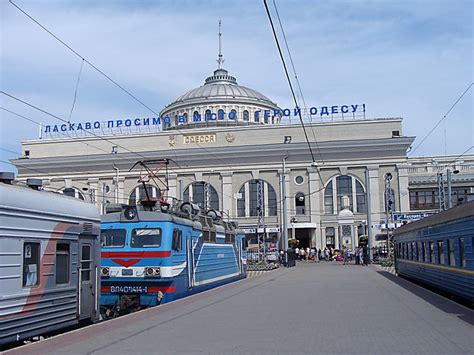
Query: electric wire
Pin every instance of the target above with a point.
(289, 82)
(107, 76)
(296, 78)
(75, 91)
(441, 120)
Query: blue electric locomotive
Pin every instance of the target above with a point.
(439, 251)
(161, 254)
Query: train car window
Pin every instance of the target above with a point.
(462, 257)
(451, 255)
(426, 257)
(146, 238)
(416, 253)
(86, 263)
(432, 256)
(112, 238)
(31, 264)
(410, 251)
(440, 252)
(177, 237)
(245, 244)
(62, 263)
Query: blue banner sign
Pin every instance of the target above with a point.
(411, 216)
(258, 116)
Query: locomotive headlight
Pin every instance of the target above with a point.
(152, 271)
(130, 213)
(105, 271)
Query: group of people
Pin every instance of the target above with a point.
(359, 254)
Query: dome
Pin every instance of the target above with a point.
(222, 86)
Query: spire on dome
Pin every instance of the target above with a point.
(220, 57)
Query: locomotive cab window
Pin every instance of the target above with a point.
(146, 238)
(112, 238)
(31, 264)
(177, 236)
(62, 263)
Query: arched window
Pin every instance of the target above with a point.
(207, 115)
(220, 114)
(185, 115)
(246, 115)
(77, 194)
(139, 193)
(256, 190)
(344, 188)
(233, 115)
(328, 199)
(360, 198)
(344, 185)
(175, 120)
(196, 193)
(257, 116)
(195, 114)
(300, 203)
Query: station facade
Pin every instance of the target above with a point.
(231, 149)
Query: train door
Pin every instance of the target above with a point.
(190, 259)
(238, 245)
(87, 277)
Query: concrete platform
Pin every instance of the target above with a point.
(312, 308)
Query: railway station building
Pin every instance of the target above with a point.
(232, 149)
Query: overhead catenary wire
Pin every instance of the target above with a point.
(106, 76)
(75, 90)
(289, 83)
(442, 119)
(296, 77)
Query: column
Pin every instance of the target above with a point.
(403, 190)
(314, 200)
(122, 197)
(227, 194)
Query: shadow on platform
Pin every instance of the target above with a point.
(438, 300)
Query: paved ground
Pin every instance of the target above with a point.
(312, 308)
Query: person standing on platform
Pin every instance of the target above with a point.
(297, 252)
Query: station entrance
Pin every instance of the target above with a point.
(303, 235)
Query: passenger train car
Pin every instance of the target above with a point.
(49, 261)
(154, 256)
(438, 251)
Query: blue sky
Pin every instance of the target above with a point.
(409, 59)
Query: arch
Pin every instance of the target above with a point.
(344, 185)
(139, 193)
(220, 114)
(246, 115)
(195, 114)
(196, 194)
(256, 116)
(300, 203)
(185, 115)
(328, 199)
(234, 114)
(77, 193)
(207, 115)
(250, 208)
